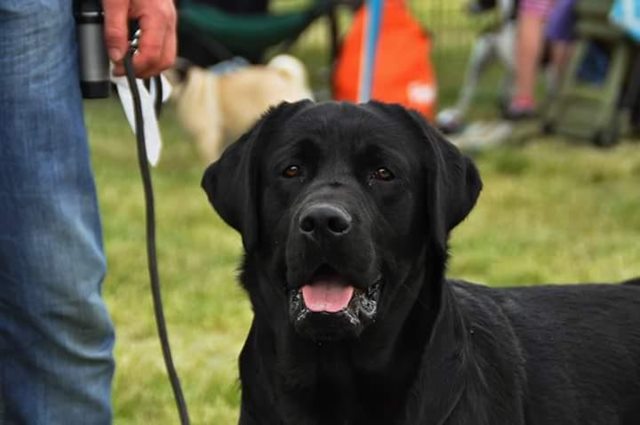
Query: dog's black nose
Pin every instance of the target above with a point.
(324, 219)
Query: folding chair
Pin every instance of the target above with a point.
(208, 35)
(593, 110)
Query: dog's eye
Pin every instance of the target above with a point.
(291, 171)
(383, 173)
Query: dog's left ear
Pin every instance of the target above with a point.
(231, 183)
(455, 182)
(458, 180)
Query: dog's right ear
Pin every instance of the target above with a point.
(232, 182)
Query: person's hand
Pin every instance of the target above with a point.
(157, 44)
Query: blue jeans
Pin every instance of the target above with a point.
(56, 337)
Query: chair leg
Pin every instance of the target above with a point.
(332, 21)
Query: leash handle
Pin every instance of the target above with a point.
(134, 29)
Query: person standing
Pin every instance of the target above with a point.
(56, 337)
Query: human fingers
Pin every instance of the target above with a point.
(170, 50)
(116, 31)
(157, 44)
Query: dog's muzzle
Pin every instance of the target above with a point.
(312, 321)
(331, 272)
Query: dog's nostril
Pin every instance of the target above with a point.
(307, 224)
(338, 224)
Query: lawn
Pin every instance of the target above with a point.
(551, 211)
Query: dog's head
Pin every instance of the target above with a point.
(338, 204)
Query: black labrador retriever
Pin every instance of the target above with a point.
(344, 212)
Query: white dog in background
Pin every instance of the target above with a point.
(218, 108)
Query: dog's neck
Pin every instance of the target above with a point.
(318, 383)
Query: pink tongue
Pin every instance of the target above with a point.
(326, 296)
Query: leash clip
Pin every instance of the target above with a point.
(135, 40)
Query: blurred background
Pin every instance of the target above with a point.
(555, 209)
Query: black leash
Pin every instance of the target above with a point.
(151, 238)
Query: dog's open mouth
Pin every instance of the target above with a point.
(330, 307)
(328, 291)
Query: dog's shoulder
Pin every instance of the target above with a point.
(480, 302)
(486, 313)
(493, 355)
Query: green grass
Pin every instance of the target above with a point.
(551, 211)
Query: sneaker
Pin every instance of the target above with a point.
(520, 110)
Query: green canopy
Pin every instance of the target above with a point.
(246, 35)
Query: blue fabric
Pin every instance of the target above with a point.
(561, 21)
(626, 14)
(56, 338)
(595, 65)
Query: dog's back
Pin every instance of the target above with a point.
(580, 348)
(635, 281)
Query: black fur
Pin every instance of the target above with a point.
(435, 351)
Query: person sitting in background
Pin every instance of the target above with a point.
(533, 17)
(560, 34)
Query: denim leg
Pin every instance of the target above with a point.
(56, 337)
